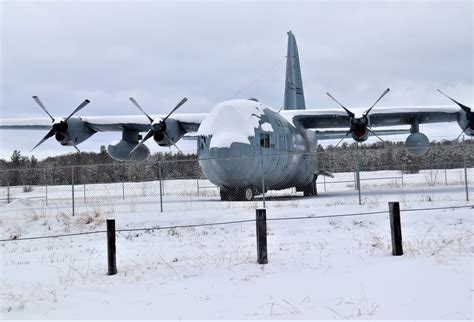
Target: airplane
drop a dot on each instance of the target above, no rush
(246, 147)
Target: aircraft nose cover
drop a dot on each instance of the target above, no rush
(231, 121)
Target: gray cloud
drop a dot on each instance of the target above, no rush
(208, 51)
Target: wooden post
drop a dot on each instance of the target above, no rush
(261, 219)
(111, 250)
(396, 229)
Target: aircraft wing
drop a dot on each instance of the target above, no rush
(140, 123)
(320, 119)
(331, 135)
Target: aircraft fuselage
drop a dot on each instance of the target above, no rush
(277, 150)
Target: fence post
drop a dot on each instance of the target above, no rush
(123, 190)
(445, 175)
(46, 185)
(261, 220)
(111, 249)
(358, 175)
(72, 189)
(324, 181)
(395, 228)
(197, 186)
(8, 192)
(85, 200)
(161, 192)
(402, 175)
(465, 168)
(263, 179)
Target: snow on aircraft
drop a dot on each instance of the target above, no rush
(241, 140)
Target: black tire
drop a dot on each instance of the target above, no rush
(311, 189)
(225, 194)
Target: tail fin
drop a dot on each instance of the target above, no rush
(294, 95)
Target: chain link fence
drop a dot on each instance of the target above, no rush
(358, 176)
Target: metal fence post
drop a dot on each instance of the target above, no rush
(197, 186)
(402, 175)
(8, 192)
(161, 184)
(465, 168)
(123, 190)
(263, 179)
(445, 175)
(85, 200)
(72, 189)
(46, 186)
(358, 177)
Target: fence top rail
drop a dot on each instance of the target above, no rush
(234, 222)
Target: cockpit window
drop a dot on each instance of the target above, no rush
(264, 140)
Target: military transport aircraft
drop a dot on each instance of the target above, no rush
(241, 140)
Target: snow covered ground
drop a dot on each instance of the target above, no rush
(326, 268)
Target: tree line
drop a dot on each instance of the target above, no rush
(91, 167)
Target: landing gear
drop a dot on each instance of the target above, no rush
(310, 189)
(237, 194)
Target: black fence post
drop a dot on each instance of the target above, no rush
(396, 229)
(111, 250)
(261, 220)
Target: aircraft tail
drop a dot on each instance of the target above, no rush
(294, 95)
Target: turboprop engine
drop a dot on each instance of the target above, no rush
(165, 132)
(359, 127)
(69, 131)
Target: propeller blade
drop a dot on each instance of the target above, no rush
(176, 107)
(140, 108)
(47, 136)
(335, 100)
(464, 107)
(462, 132)
(383, 94)
(378, 137)
(38, 101)
(139, 144)
(348, 132)
(78, 109)
(172, 142)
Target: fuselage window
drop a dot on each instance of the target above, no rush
(264, 140)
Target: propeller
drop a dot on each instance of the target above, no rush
(359, 125)
(158, 129)
(58, 128)
(469, 113)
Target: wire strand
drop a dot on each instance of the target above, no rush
(234, 222)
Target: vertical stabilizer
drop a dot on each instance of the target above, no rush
(294, 95)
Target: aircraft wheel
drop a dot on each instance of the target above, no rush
(249, 194)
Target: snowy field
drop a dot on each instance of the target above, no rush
(326, 268)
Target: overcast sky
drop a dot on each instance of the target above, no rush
(159, 52)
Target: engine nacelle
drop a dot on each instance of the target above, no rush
(120, 150)
(417, 144)
(173, 132)
(466, 122)
(73, 132)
